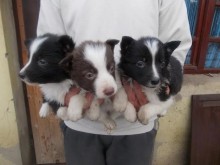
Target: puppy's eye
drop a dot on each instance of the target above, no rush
(140, 64)
(42, 62)
(112, 69)
(162, 65)
(90, 76)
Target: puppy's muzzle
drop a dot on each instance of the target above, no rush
(155, 81)
(109, 91)
(22, 75)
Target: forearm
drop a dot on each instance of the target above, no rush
(50, 19)
(174, 25)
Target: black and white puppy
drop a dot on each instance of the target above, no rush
(43, 69)
(149, 62)
(92, 69)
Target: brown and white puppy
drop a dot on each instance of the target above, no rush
(92, 67)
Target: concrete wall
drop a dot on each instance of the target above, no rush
(172, 142)
(9, 144)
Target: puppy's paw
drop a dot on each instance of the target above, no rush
(74, 115)
(120, 100)
(75, 108)
(109, 124)
(94, 111)
(92, 115)
(143, 116)
(147, 112)
(44, 110)
(130, 113)
(62, 113)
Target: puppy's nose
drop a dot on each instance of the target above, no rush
(109, 91)
(22, 75)
(155, 81)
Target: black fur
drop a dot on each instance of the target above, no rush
(44, 67)
(136, 62)
(53, 104)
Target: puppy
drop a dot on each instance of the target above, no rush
(148, 61)
(45, 53)
(93, 70)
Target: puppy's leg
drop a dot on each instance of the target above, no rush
(146, 112)
(75, 108)
(120, 100)
(166, 105)
(130, 113)
(162, 114)
(62, 113)
(107, 121)
(94, 111)
(45, 110)
(106, 110)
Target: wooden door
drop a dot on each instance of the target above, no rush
(47, 136)
(205, 140)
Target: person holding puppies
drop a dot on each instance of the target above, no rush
(86, 142)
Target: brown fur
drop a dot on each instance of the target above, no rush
(79, 67)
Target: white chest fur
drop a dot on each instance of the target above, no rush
(56, 91)
(151, 95)
(154, 107)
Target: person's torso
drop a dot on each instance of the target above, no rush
(110, 19)
(104, 19)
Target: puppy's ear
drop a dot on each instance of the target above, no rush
(66, 63)
(27, 43)
(112, 43)
(126, 41)
(171, 46)
(66, 43)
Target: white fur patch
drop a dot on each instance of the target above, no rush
(153, 48)
(62, 113)
(120, 100)
(130, 114)
(45, 110)
(154, 107)
(152, 110)
(107, 121)
(96, 54)
(34, 47)
(151, 95)
(94, 110)
(56, 91)
(75, 108)
(104, 80)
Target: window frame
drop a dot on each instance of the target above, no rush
(202, 38)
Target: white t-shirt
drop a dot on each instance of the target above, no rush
(112, 19)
